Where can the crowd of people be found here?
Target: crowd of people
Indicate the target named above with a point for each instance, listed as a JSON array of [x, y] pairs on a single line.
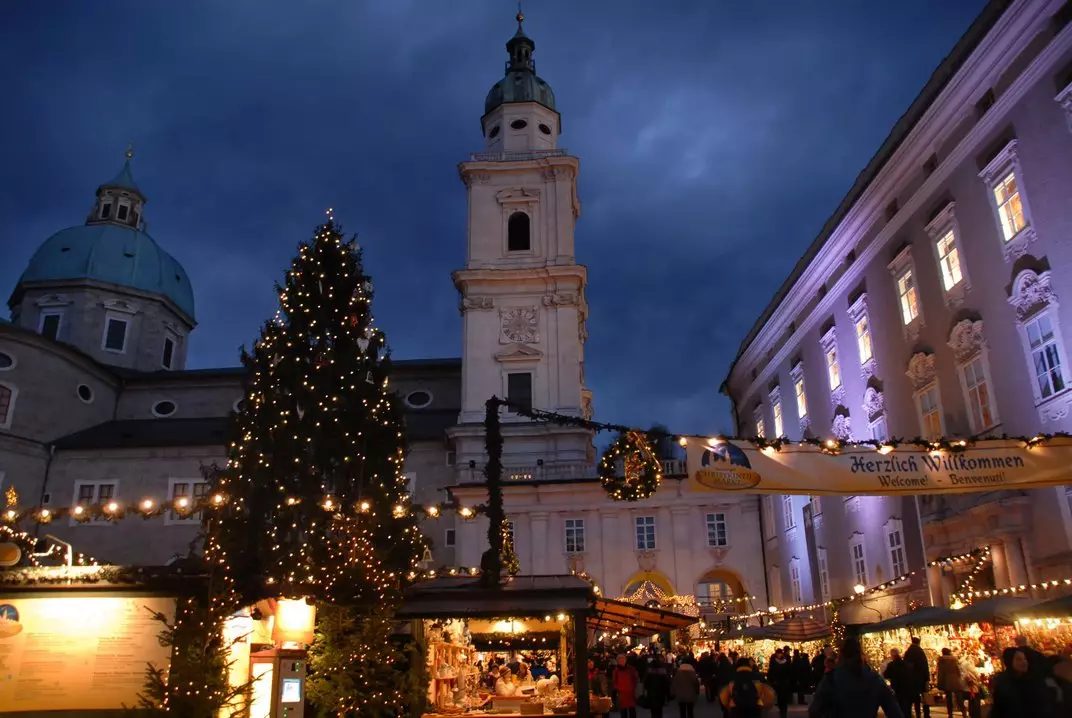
[[840, 683]]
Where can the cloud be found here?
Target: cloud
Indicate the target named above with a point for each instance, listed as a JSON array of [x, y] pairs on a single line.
[[714, 138]]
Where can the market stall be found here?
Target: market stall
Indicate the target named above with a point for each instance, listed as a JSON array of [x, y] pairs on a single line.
[[1047, 625], [468, 627]]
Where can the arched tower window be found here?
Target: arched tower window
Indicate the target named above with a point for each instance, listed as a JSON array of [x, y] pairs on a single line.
[[518, 237]]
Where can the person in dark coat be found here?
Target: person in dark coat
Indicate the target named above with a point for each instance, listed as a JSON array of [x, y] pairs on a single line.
[[801, 674], [920, 670], [780, 677], [656, 687], [853, 690], [1037, 662], [818, 667], [724, 675], [899, 674], [1019, 692], [705, 667]]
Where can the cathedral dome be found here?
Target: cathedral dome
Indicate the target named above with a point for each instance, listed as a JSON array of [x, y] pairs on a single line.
[[112, 247], [521, 84], [114, 254]]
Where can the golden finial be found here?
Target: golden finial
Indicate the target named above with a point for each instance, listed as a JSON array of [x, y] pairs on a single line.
[[520, 15], [130, 151]]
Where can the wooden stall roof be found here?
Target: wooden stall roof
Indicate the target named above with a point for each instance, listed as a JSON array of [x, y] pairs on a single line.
[[520, 597], [612, 615]]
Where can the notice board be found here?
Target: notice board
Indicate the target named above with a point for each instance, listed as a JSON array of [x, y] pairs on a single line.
[[78, 651]]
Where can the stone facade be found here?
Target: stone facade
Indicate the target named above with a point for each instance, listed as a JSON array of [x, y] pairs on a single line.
[[940, 279]]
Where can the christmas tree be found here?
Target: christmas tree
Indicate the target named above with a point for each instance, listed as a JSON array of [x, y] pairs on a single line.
[[314, 499]]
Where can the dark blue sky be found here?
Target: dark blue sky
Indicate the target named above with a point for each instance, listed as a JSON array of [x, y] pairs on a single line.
[[715, 138]]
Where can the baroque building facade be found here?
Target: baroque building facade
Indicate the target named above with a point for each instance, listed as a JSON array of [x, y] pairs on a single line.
[[97, 403], [929, 306]]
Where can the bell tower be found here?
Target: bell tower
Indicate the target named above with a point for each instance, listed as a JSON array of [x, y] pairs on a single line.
[[522, 292]]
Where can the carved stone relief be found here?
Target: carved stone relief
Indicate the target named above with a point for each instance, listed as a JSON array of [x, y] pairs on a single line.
[[470, 304], [921, 370], [1031, 292], [842, 427], [561, 299], [966, 339], [519, 325], [874, 402]]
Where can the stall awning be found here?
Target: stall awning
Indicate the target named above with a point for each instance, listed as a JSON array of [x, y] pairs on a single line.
[[1054, 608], [612, 615], [521, 596]]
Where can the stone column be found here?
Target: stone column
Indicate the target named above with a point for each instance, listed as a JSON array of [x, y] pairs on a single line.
[[609, 551], [683, 549], [1017, 572], [539, 542]]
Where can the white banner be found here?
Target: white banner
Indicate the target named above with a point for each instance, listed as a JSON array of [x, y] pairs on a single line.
[[861, 470]]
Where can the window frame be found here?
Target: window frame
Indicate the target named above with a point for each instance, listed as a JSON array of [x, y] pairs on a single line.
[[759, 422], [108, 319], [573, 527], [771, 530], [860, 314], [173, 339], [822, 562], [712, 521], [918, 399], [1007, 163], [876, 421], [9, 416], [411, 483], [904, 265], [795, 588], [45, 314], [1029, 350], [1032, 297], [800, 395], [532, 385], [450, 538], [528, 221], [857, 542], [788, 513], [981, 358], [645, 522], [895, 527], [943, 225], [96, 484], [777, 412], [171, 517]]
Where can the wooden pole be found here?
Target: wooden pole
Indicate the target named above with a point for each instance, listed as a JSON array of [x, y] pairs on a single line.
[[580, 663]]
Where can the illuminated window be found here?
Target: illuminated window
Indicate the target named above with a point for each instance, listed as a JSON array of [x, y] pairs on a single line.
[[717, 536], [833, 369], [949, 260], [802, 400], [761, 429], [645, 533], [977, 392], [906, 291], [863, 338], [1010, 209], [929, 404], [776, 410]]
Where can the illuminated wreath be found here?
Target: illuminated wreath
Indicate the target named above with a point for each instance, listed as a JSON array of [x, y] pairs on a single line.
[[642, 469]]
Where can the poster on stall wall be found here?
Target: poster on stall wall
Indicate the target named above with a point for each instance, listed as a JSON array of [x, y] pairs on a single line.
[[78, 652], [992, 465]]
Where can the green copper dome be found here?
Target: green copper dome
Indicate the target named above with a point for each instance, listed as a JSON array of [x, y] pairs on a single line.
[[521, 83]]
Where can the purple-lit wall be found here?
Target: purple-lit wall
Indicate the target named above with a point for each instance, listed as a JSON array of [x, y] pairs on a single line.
[[1025, 62]]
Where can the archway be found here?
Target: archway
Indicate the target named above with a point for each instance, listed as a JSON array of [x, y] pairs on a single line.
[[718, 588], [647, 585]]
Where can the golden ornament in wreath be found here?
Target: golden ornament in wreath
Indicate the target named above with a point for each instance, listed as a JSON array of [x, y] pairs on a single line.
[[631, 456]]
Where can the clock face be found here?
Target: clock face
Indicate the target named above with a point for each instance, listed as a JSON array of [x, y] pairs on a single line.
[[519, 325]]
